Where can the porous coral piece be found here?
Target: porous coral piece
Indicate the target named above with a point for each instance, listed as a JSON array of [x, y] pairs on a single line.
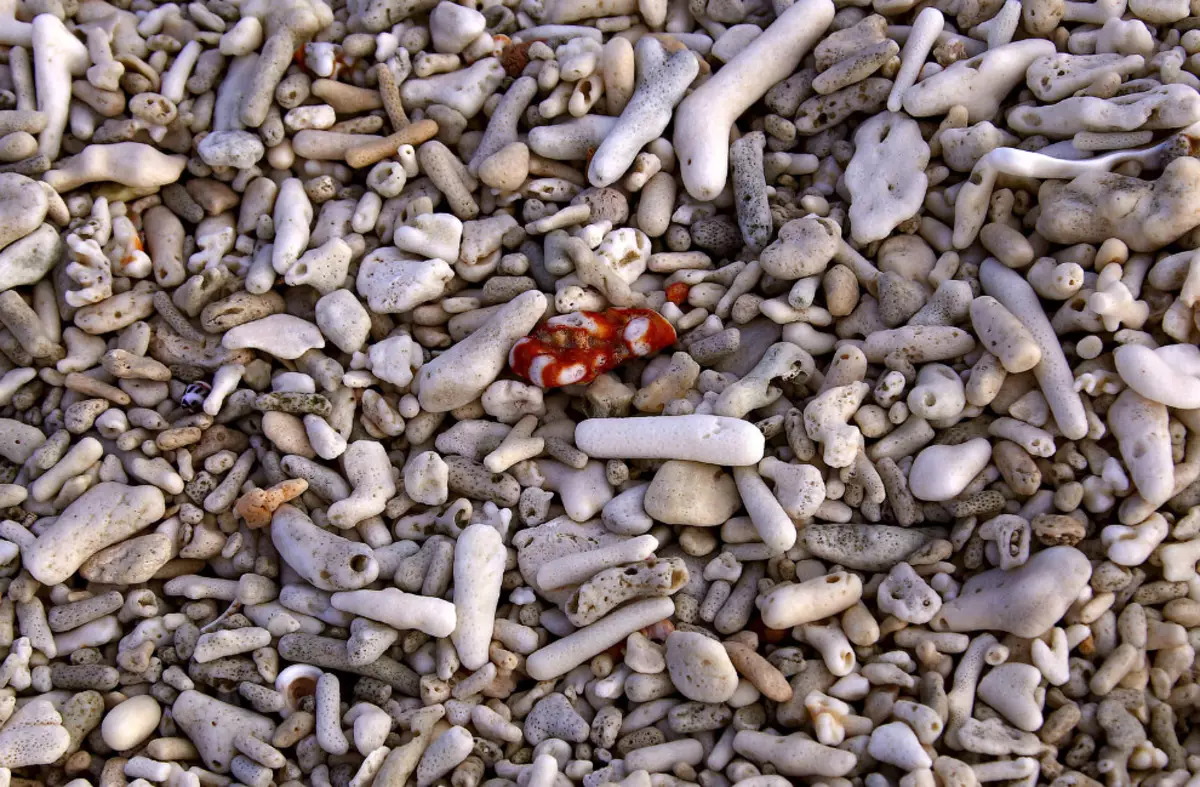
[[1147, 215]]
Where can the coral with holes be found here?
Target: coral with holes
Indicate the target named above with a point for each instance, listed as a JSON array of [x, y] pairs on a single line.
[[906, 595]]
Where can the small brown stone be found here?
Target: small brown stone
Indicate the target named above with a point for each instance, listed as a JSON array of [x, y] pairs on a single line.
[[1055, 529]]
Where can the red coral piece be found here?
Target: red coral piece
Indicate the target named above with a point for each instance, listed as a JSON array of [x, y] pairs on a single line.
[[514, 57], [580, 346], [677, 293]]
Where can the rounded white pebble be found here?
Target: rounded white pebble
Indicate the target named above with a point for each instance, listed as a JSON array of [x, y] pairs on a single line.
[[700, 668], [940, 472], [131, 722]]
